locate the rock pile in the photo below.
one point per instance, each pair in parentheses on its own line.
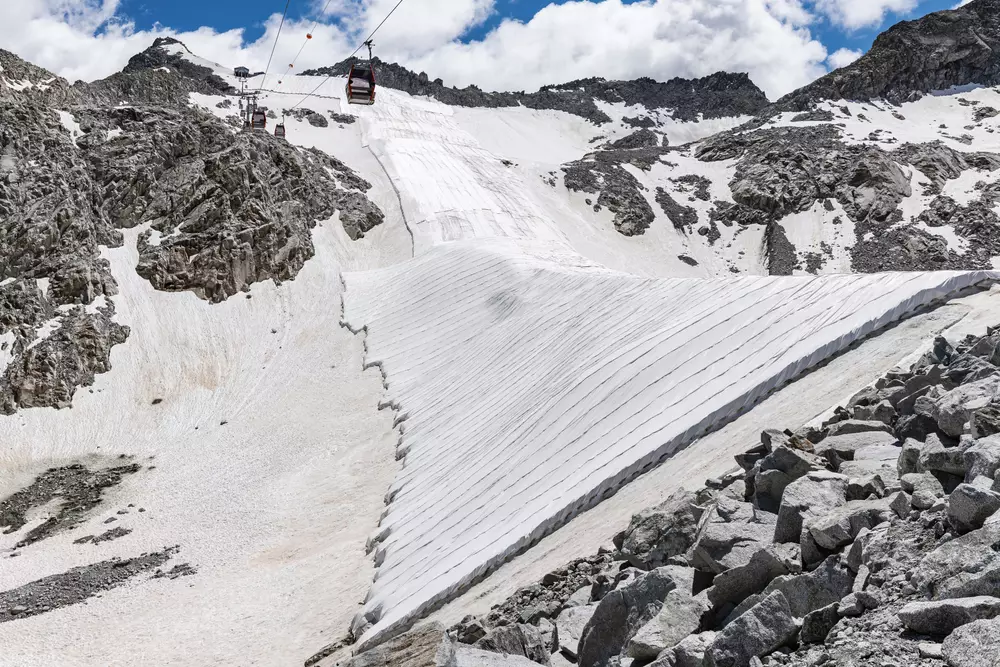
(869,540)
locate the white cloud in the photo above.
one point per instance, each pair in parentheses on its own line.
(843,58)
(769,39)
(854,14)
(962,4)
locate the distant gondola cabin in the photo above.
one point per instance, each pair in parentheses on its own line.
(242,72)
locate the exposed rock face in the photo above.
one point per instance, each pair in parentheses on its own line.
(936,52)
(719,95)
(235,208)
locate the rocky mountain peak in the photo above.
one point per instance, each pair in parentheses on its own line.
(939,51)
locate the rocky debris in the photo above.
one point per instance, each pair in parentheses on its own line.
(683,218)
(517,639)
(762,629)
(106,536)
(417,648)
(864,581)
(313,118)
(79,489)
(970,505)
(179,570)
(982,459)
(76,585)
(942,616)
(936,52)
(976,644)
(814,116)
(617,190)
(639,121)
(716,96)
(622,612)
(639,139)
(343,118)
(698,186)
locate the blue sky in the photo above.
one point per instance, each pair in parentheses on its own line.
(250,14)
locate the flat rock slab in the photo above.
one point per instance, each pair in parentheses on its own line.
(846,445)
(940,617)
(964,567)
(763,628)
(976,644)
(569,627)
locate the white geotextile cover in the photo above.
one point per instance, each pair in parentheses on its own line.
(531,382)
(528,390)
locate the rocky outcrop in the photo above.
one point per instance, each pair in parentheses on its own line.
(936,52)
(719,95)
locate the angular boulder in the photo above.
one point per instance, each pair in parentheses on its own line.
(806,498)
(807,592)
(940,617)
(909,456)
(842,447)
(969,505)
(935,456)
(667,530)
(518,639)
(975,644)
(762,629)
(453,654)
(954,409)
(840,526)
(924,489)
(963,567)
(730,536)
(737,584)
(777,470)
(983,458)
(622,612)
(679,616)
(569,627)
(817,624)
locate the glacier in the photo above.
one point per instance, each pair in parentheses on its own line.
(530,381)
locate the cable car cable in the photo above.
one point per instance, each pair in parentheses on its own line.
(366,42)
(309,36)
(280,26)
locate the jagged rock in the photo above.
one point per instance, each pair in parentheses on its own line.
(689,652)
(806,592)
(935,456)
(882,411)
(969,505)
(965,566)
(550,637)
(623,611)
(816,625)
(985,422)
(975,644)
(953,410)
(982,458)
(643,138)
(579,598)
(862,488)
(616,189)
(569,627)
(658,534)
(679,616)
(850,426)
(807,498)
(929,650)
(518,639)
(843,447)
(453,654)
(909,457)
(969,368)
(840,526)
(942,616)
(730,536)
(924,488)
(763,628)
(779,469)
(900,504)
(738,583)
(416,648)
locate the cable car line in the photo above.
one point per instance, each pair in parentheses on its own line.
(367,42)
(275,45)
(309,36)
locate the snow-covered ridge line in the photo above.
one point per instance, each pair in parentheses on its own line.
(529,391)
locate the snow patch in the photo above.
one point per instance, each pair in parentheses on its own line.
(68,121)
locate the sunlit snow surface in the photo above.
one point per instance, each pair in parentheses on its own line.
(531,381)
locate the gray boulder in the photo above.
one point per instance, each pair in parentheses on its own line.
(849,426)
(975,644)
(806,592)
(679,616)
(963,567)
(888,452)
(416,648)
(969,505)
(732,534)
(935,456)
(953,410)
(940,617)
(925,489)
(689,652)
(817,624)
(983,458)
(761,630)
(658,534)
(580,597)
(841,526)
(777,470)
(809,497)
(622,612)
(453,654)
(842,447)
(909,457)
(737,584)
(569,627)
(517,639)
(862,488)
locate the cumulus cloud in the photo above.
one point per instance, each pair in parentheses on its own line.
(769,39)
(843,58)
(854,14)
